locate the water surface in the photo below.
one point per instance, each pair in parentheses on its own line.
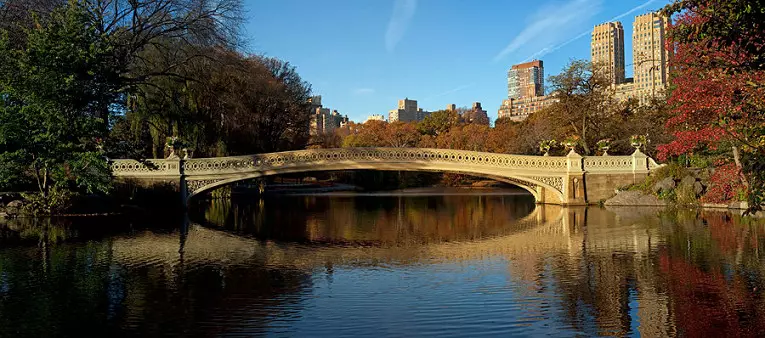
(424,264)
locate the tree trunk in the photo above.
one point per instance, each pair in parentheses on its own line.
(737,160)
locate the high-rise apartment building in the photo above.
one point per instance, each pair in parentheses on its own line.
(526,80)
(607,50)
(322,120)
(525,91)
(407,112)
(650,57)
(520,109)
(476,114)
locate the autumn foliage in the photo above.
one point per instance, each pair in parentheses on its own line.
(718,93)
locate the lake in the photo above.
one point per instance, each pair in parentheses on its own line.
(432,262)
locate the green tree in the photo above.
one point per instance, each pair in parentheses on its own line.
(56,94)
(439,122)
(584,101)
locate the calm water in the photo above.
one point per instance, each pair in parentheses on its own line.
(386,265)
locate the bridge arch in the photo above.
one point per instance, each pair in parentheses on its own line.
(543,177)
(551,179)
(197,188)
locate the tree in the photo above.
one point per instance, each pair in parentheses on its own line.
(718,94)
(370,134)
(55,95)
(584,101)
(503,138)
(401,135)
(439,122)
(467,137)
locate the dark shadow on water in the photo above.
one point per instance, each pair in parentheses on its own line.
(368,219)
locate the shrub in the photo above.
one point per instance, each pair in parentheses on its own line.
(55,202)
(725,185)
(685,195)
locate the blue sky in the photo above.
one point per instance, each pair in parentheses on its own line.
(362,56)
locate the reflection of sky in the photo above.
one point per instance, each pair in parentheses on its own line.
(436,300)
(4,284)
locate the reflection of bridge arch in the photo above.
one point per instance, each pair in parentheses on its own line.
(199,187)
(551,179)
(547,227)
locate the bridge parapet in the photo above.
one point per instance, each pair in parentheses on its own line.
(570,179)
(146,168)
(608,163)
(236,164)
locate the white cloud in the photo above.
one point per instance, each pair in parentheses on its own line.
(450,91)
(548,24)
(363,91)
(403,12)
(548,50)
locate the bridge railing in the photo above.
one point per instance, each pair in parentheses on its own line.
(202,166)
(145,168)
(608,163)
(317,157)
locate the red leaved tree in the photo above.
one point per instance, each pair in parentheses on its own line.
(718,88)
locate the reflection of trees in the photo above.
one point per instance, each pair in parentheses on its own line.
(65,286)
(688,273)
(663,274)
(373,219)
(715,274)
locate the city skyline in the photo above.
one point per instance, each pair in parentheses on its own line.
(384,51)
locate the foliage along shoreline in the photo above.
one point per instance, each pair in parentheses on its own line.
(79,84)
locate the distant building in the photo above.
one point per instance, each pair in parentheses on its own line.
(525,91)
(407,112)
(625,91)
(476,114)
(451,107)
(375,117)
(650,58)
(526,80)
(520,109)
(607,50)
(322,120)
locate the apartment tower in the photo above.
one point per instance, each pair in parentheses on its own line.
(650,57)
(607,50)
(526,80)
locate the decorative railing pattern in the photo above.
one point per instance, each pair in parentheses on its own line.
(529,171)
(607,163)
(132,168)
(383,155)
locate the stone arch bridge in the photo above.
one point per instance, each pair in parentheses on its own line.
(563,180)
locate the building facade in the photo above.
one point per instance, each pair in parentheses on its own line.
(607,50)
(519,109)
(650,57)
(526,80)
(322,120)
(407,112)
(375,117)
(525,91)
(476,114)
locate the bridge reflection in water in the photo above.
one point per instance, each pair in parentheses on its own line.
(539,270)
(598,257)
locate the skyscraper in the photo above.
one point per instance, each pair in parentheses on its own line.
(607,50)
(526,80)
(650,57)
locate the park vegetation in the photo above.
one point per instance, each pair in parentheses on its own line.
(82,81)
